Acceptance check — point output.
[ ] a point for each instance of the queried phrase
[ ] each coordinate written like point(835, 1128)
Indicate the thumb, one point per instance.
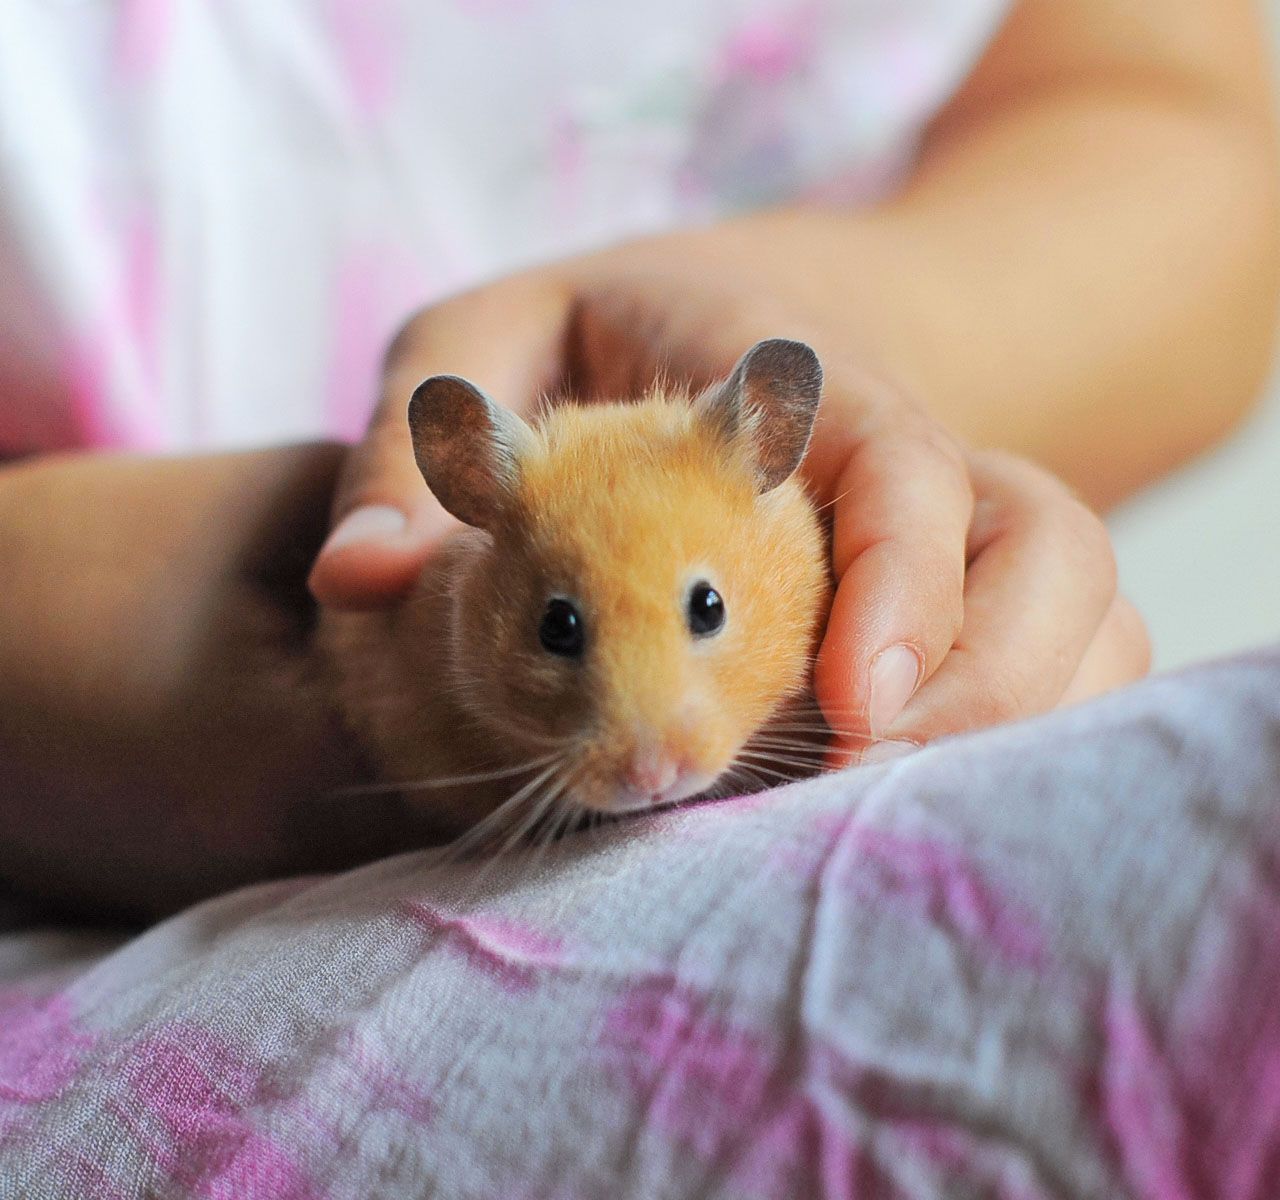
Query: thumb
point(505, 338)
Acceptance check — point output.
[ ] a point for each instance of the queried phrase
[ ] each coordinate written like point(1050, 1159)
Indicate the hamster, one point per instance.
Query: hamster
point(640, 592)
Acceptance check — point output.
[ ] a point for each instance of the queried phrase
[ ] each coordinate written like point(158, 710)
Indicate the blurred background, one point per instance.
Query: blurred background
point(1200, 553)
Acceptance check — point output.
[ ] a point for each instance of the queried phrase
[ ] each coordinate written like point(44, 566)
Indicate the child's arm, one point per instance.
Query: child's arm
point(159, 739)
point(1084, 266)
point(1083, 270)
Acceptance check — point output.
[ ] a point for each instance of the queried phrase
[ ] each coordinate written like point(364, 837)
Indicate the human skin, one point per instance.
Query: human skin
point(161, 738)
point(1080, 275)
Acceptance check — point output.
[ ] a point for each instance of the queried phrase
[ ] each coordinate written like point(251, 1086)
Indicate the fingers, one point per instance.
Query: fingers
point(901, 512)
point(1119, 653)
point(1041, 583)
point(505, 338)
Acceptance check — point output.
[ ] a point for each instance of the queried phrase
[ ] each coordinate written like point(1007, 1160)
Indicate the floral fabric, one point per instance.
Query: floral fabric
point(1037, 963)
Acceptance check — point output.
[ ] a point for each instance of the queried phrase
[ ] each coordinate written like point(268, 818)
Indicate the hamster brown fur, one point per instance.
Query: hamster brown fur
point(620, 510)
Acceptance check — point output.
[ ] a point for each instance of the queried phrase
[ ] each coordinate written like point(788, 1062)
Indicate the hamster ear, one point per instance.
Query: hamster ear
point(468, 448)
point(772, 398)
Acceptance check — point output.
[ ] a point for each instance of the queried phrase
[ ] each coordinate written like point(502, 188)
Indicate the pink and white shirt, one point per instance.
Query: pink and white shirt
point(215, 213)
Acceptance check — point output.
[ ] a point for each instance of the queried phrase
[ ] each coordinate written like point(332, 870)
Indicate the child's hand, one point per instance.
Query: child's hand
point(972, 586)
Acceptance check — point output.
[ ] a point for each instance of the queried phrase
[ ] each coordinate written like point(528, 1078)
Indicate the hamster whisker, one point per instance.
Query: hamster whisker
point(753, 780)
point(787, 742)
point(811, 710)
point(548, 829)
point(501, 844)
point(781, 776)
point(783, 773)
point(595, 822)
point(557, 818)
point(517, 828)
point(807, 749)
point(723, 787)
point(807, 716)
point(446, 781)
point(832, 503)
point(790, 772)
point(492, 825)
point(533, 802)
point(828, 730)
point(742, 771)
point(798, 737)
point(760, 761)
point(796, 756)
point(569, 814)
point(809, 720)
point(804, 744)
point(541, 810)
point(737, 779)
point(811, 706)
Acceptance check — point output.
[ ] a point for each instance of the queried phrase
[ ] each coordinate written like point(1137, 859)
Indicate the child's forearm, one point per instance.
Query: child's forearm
point(1084, 266)
point(158, 736)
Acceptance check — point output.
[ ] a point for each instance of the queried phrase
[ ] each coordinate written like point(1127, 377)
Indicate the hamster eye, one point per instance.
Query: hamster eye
point(561, 629)
point(705, 610)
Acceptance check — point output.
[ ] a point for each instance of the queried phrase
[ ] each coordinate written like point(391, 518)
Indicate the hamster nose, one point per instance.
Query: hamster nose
point(652, 772)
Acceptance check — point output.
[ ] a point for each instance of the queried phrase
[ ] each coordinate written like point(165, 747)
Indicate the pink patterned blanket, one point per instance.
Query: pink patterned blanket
point(1040, 962)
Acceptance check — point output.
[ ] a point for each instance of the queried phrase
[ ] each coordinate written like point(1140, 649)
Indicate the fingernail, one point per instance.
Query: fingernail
point(895, 674)
point(373, 523)
point(886, 750)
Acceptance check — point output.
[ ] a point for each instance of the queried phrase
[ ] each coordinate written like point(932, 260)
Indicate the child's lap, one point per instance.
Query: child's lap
point(1038, 961)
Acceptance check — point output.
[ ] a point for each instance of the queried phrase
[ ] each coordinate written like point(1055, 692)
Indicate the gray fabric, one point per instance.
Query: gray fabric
point(1039, 962)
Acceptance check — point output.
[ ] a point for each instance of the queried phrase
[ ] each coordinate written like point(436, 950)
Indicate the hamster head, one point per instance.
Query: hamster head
point(653, 580)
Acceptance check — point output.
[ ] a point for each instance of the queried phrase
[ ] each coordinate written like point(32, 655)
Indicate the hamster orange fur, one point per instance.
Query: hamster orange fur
point(641, 593)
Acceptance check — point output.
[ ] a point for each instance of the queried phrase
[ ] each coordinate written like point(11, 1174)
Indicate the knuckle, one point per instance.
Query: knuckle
point(930, 456)
point(921, 442)
point(386, 443)
point(954, 623)
point(1090, 545)
point(380, 469)
point(406, 341)
point(1003, 462)
point(934, 444)
point(1134, 636)
point(1001, 696)
point(1042, 510)
point(1012, 472)
point(413, 340)
point(946, 601)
